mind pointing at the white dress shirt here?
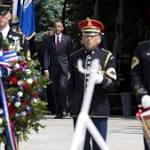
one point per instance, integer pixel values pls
(5, 31)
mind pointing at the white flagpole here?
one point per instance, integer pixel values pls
(14, 10)
(83, 121)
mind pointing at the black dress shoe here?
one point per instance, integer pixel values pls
(58, 117)
(67, 116)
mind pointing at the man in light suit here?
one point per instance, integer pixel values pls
(57, 49)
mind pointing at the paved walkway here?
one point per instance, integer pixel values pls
(123, 134)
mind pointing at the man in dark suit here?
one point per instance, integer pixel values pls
(57, 49)
(91, 38)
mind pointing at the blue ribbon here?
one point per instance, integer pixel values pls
(6, 57)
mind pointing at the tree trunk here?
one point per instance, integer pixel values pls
(64, 11)
(119, 32)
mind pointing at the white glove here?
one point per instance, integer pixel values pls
(100, 76)
(46, 73)
(145, 101)
(96, 71)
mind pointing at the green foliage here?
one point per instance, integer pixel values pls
(24, 94)
(47, 11)
(40, 36)
(70, 11)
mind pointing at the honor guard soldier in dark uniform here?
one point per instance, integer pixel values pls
(91, 30)
(141, 75)
(6, 33)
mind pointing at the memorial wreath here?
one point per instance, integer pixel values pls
(24, 88)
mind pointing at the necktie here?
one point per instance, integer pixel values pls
(57, 41)
(1, 40)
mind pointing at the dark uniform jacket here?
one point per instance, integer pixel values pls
(141, 69)
(11, 35)
(78, 81)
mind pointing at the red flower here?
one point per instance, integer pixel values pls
(24, 64)
(26, 103)
(13, 79)
(26, 86)
(12, 109)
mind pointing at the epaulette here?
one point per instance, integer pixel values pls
(144, 45)
(108, 55)
(144, 42)
(77, 51)
(105, 50)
